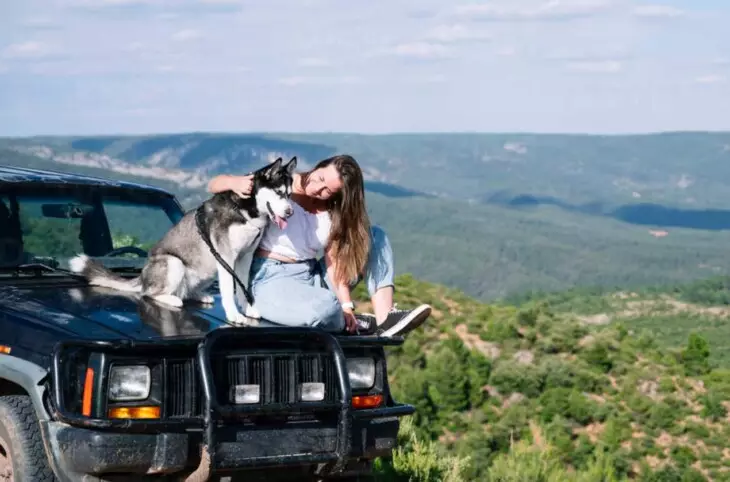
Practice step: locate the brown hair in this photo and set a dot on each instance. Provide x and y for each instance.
(349, 238)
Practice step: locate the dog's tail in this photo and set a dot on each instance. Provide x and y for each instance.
(98, 275)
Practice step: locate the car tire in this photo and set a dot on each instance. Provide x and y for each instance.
(22, 453)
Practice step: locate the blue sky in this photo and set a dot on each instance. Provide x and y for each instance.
(143, 66)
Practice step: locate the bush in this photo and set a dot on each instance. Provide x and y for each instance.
(662, 416)
(415, 460)
(446, 374)
(696, 356)
(561, 373)
(683, 456)
(712, 406)
(525, 462)
(567, 403)
(509, 377)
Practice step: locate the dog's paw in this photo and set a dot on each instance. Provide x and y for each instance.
(237, 318)
(171, 300)
(205, 299)
(252, 312)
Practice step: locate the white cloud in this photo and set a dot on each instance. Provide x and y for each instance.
(419, 50)
(710, 79)
(507, 51)
(40, 23)
(186, 34)
(596, 66)
(298, 80)
(313, 62)
(456, 33)
(30, 50)
(657, 11)
(101, 4)
(535, 11)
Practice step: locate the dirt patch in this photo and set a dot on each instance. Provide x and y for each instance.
(650, 388)
(599, 319)
(524, 357)
(537, 436)
(593, 431)
(454, 307)
(473, 342)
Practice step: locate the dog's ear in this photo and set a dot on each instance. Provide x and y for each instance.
(291, 165)
(273, 167)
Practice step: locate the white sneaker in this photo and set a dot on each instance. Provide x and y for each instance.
(397, 323)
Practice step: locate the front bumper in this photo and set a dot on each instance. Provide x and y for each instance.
(227, 438)
(77, 452)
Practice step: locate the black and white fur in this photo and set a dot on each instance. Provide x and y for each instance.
(181, 265)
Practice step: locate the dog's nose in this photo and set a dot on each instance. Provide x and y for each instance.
(289, 211)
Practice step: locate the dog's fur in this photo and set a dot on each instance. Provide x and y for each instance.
(181, 265)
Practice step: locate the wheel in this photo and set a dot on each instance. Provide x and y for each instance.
(22, 454)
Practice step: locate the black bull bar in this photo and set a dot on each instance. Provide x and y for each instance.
(215, 412)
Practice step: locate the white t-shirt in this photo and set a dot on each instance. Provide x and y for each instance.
(304, 237)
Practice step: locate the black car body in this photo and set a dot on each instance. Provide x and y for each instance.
(123, 388)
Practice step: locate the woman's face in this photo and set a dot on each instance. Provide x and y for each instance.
(323, 183)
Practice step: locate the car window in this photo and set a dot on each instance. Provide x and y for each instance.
(59, 224)
(135, 224)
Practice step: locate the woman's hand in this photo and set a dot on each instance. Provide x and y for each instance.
(241, 185)
(350, 321)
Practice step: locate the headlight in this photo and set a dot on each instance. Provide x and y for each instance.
(361, 372)
(129, 383)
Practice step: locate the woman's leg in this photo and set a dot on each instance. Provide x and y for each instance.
(379, 277)
(380, 273)
(286, 293)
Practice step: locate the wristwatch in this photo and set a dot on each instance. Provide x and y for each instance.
(349, 305)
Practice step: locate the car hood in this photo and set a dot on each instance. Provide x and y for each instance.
(81, 311)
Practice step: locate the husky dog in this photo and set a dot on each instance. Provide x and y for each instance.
(182, 264)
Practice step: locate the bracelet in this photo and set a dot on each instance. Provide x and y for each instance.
(349, 305)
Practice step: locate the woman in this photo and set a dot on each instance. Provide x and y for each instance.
(330, 218)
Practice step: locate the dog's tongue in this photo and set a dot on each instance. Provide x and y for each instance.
(281, 222)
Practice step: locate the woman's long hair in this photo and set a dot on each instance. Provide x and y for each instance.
(349, 238)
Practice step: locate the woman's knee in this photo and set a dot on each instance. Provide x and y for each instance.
(325, 312)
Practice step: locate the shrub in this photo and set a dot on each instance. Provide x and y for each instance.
(683, 456)
(509, 376)
(696, 356)
(447, 377)
(662, 416)
(415, 460)
(568, 403)
(526, 462)
(712, 406)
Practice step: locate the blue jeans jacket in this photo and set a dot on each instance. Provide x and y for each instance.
(300, 294)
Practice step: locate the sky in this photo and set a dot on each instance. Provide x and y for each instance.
(86, 67)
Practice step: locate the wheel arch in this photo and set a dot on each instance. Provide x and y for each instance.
(22, 377)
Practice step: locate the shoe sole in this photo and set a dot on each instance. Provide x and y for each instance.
(412, 321)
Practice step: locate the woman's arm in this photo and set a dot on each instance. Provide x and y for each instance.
(226, 182)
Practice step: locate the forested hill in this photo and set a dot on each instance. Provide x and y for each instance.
(543, 392)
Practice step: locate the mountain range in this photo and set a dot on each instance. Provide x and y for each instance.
(492, 214)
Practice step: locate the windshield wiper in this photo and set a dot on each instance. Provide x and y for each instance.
(39, 268)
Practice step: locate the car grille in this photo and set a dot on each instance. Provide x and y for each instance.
(277, 374)
(184, 393)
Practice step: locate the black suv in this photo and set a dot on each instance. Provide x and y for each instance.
(100, 385)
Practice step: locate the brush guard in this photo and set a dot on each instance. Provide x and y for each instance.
(217, 434)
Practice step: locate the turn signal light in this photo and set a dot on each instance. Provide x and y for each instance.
(367, 401)
(134, 412)
(88, 393)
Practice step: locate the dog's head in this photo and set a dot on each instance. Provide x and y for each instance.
(272, 186)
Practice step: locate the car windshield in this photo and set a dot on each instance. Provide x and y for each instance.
(50, 225)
